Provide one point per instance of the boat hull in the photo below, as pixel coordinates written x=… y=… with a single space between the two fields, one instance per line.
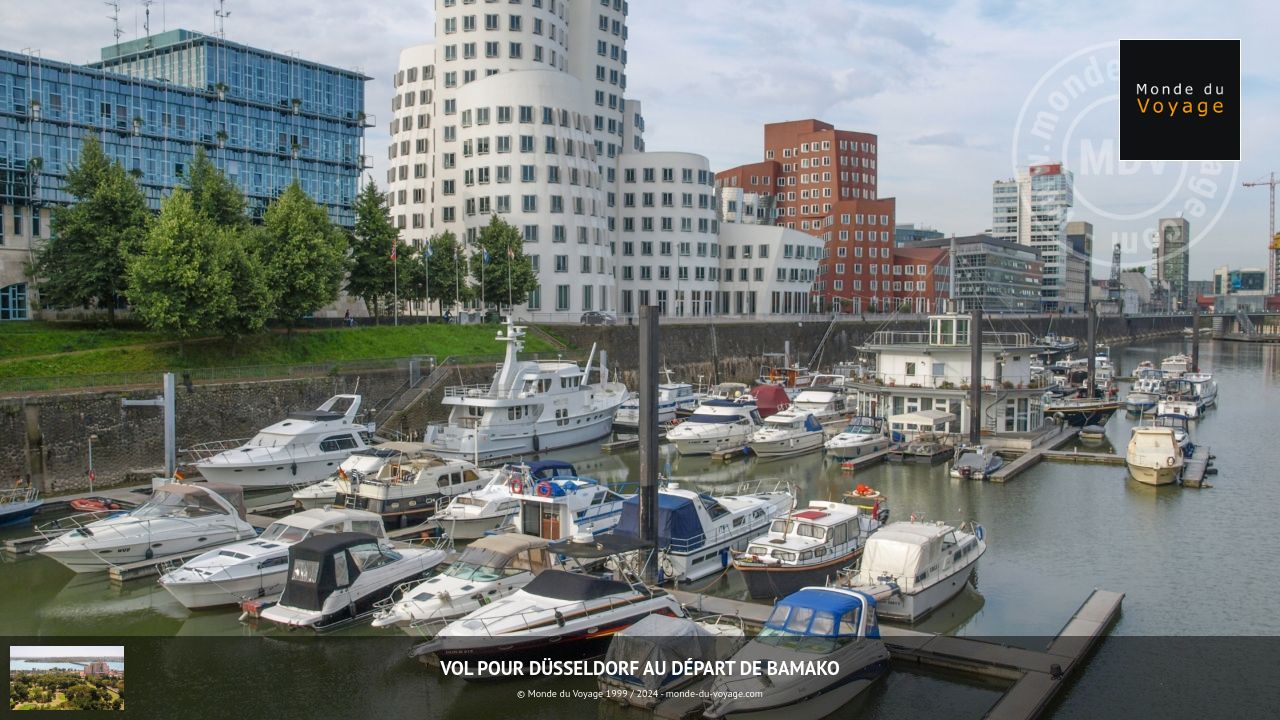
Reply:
x=910 y=608
x=708 y=444
x=196 y=595
x=85 y=559
x=848 y=452
x=19 y=512
x=277 y=473
x=787 y=446
x=470 y=528
x=1079 y=417
x=1155 y=475
x=548 y=438
x=815 y=702
x=767 y=582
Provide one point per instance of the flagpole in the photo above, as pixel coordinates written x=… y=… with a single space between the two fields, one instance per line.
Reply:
x=426 y=278
x=510 y=259
x=483 y=262
x=457 y=282
x=395 y=270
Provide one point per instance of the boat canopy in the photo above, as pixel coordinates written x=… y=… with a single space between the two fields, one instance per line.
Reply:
x=321 y=564
x=521 y=552
x=544 y=469
x=205 y=496
x=562 y=585
x=770 y=398
x=678 y=522
x=667 y=640
x=822 y=612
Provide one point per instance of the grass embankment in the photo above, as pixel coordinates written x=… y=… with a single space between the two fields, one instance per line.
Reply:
x=46 y=349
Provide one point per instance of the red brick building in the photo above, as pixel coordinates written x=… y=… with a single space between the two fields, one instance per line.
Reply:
x=823 y=181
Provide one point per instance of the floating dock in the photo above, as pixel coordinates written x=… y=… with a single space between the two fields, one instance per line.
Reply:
x=626 y=443
x=1035 y=676
x=1031 y=457
x=1197 y=467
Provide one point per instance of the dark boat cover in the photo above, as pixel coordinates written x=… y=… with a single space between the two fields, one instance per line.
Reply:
x=318 y=566
x=677 y=519
x=563 y=585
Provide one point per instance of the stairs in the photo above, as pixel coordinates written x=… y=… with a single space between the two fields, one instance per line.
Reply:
x=816 y=357
x=1245 y=323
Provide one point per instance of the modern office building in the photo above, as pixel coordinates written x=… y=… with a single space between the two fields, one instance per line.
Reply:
x=518 y=110
x=1172 y=260
x=264 y=118
x=992 y=274
x=1080 y=241
x=767 y=269
x=1032 y=209
x=907 y=234
x=823 y=181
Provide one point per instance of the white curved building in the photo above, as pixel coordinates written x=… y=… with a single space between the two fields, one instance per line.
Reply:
x=411 y=168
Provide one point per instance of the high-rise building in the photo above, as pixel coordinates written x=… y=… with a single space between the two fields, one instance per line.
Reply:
x=1080 y=243
x=822 y=181
x=1172 y=260
x=1032 y=209
x=905 y=234
x=992 y=274
x=264 y=118
x=519 y=111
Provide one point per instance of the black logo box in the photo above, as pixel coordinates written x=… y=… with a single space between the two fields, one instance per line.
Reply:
x=1205 y=73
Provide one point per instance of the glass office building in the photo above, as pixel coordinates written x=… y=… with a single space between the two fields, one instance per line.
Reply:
x=264 y=118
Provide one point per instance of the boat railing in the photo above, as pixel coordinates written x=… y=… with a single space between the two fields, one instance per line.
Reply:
x=205 y=450
x=478 y=390
x=530 y=620
x=81 y=521
x=19 y=495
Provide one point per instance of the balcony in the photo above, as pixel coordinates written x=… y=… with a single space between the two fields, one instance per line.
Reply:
x=920 y=338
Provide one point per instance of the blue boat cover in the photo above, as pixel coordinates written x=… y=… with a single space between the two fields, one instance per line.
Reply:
x=543 y=469
x=811 y=424
x=819 y=611
x=677 y=519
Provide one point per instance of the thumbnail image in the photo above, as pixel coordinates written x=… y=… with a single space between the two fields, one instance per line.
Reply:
x=66 y=677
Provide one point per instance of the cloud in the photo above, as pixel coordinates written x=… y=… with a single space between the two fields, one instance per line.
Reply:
x=943 y=139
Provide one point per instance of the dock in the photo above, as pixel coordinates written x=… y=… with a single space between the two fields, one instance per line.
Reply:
x=1031 y=457
x=857 y=463
x=626 y=443
x=731 y=453
x=1035 y=677
x=1196 y=467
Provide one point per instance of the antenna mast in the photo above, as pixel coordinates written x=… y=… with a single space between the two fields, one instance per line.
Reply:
x=114 y=17
x=222 y=14
x=146 y=20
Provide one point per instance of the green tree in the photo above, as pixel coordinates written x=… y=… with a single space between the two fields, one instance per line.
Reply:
x=304 y=255
x=504 y=247
x=84 y=262
x=179 y=282
x=447 y=269
x=371 y=275
x=252 y=301
x=213 y=194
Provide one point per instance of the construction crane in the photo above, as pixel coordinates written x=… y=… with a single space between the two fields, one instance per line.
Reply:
x=1273 y=247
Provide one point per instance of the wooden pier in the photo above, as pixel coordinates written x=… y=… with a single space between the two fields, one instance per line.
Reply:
x=875 y=458
x=626 y=443
x=1197 y=467
x=1031 y=457
x=1035 y=676
x=731 y=454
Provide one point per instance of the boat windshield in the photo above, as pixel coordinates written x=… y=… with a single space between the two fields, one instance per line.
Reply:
x=481 y=565
x=168 y=504
x=802 y=529
x=283 y=532
x=808 y=630
x=710 y=419
x=861 y=429
x=266 y=439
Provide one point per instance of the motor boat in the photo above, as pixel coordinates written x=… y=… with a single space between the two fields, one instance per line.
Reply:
x=1153 y=456
x=258 y=567
x=729 y=391
x=829 y=403
x=178 y=518
x=668 y=643
x=1093 y=434
x=1145 y=392
x=862 y=436
x=1181 y=399
x=472 y=514
x=912 y=568
x=1175 y=365
x=792 y=378
x=408 y=492
x=871 y=500
x=673 y=399
x=18 y=504
x=305 y=447
x=558 y=614
x=815 y=624
x=975 y=462
x=555 y=503
x=530 y=406
x=488 y=569
x=1078 y=412
x=697 y=532
x=362 y=463
x=790 y=432
x=805 y=547
x=716 y=425
x=1056 y=345
x=336 y=578
x=926 y=447
x=1203 y=387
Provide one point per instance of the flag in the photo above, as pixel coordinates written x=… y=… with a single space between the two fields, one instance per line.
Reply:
x=427 y=249
x=486 y=257
x=177 y=475
x=393 y=254
x=511 y=254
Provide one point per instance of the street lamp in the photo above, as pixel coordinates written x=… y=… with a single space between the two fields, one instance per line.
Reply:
x=92 y=437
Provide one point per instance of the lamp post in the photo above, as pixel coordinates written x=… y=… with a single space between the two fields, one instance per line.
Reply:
x=92 y=437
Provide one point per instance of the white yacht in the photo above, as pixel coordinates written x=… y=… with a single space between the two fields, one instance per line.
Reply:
x=790 y=432
x=1203 y=387
x=673 y=398
x=531 y=406
x=561 y=504
x=835 y=627
x=1175 y=365
x=1182 y=396
x=305 y=447
x=362 y=463
x=490 y=568
x=806 y=547
x=975 y=462
x=862 y=436
x=335 y=579
x=698 y=532
x=1153 y=456
x=828 y=403
x=1145 y=392
x=912 y=568
x=474 y=514
x=729 y=391
x=258 y=567
x=407 y=492
x=179 y=518
x=557 y=614
x=716 y=425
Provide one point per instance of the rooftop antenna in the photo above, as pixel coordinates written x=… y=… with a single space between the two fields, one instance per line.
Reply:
x=146 y=20
x=114 y=17
x=223 y=13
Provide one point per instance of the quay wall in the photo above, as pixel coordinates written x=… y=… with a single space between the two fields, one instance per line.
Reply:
x=44 y=437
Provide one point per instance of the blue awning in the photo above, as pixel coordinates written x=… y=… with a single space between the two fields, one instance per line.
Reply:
x=678 y=525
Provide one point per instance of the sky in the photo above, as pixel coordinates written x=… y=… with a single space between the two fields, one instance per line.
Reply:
x=35 y=651
x=950 y=87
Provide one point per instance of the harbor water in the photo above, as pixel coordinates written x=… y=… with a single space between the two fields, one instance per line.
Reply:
x=1054 y=534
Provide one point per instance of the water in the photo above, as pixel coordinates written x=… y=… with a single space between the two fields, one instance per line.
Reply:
x=1055 y=533
x=29 y=665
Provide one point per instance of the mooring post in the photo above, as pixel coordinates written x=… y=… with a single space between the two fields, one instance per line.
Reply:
x=975 y=370
x=1092 y=319
x=170 y=427
x=648 y=377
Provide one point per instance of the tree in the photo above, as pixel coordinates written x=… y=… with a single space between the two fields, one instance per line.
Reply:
x=371 y=274
x=179 y=282
x=504 y=246
x=252 y=301
x=304 y=255
x=213 y=194
x=447 y=270
x=84 y=262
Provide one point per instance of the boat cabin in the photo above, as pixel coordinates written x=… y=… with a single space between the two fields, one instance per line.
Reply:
x=324 y=564
x=829 y=617
x=915 y=555
x=909 y=426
